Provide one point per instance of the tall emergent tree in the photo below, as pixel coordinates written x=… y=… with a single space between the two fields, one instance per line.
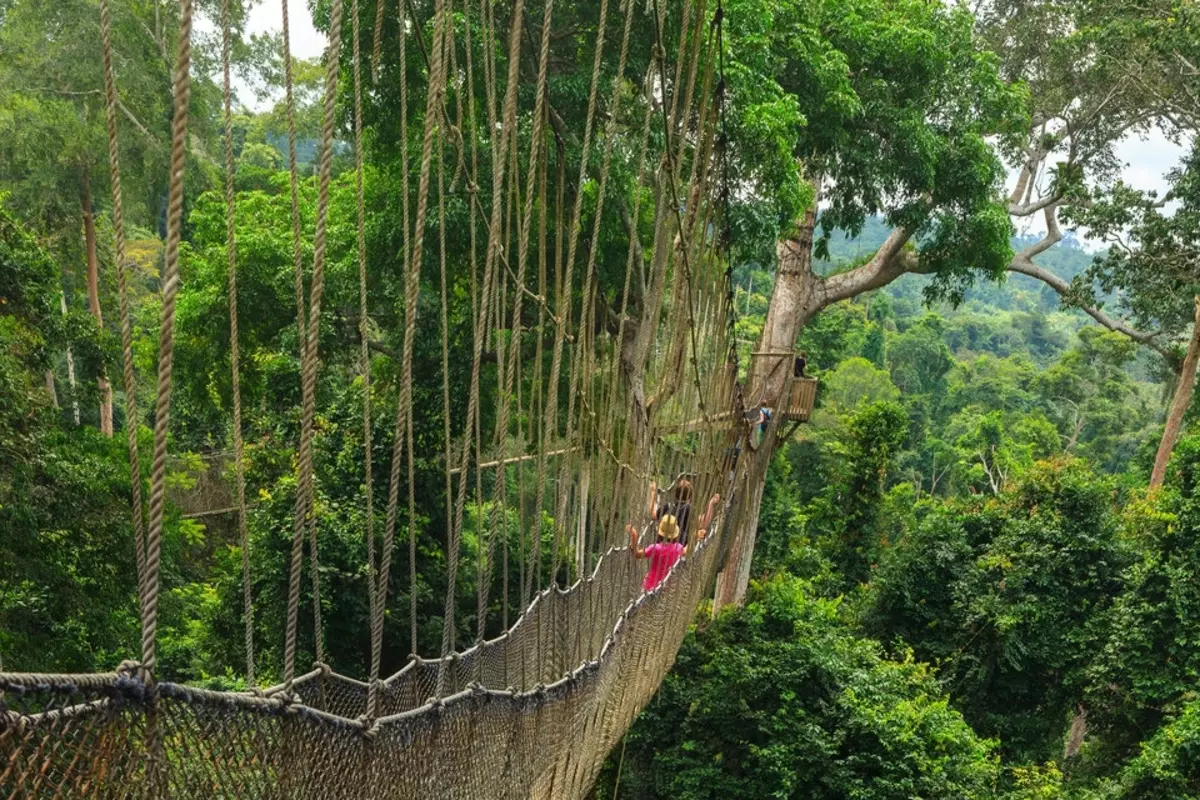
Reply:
x=898 y=109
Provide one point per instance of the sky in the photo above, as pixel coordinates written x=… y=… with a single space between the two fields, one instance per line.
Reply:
x=307 y=42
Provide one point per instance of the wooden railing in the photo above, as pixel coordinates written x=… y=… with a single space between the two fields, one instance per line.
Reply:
x=801 y=396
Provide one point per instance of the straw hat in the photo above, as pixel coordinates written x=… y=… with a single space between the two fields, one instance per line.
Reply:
x=668 y=528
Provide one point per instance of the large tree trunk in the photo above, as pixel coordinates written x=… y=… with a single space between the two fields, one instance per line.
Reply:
x=734 y=577
x=798 y=296
x=93 y=273
x=794 y=301
x=1179 y=406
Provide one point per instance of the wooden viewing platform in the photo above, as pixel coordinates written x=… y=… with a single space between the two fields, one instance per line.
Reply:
x=800 y=396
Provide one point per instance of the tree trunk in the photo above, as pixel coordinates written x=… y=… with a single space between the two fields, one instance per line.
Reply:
x=93 y=273
x=794 y=301
x=62 y=302
x=1179 y=406
x=734 y=577
x=50 y=387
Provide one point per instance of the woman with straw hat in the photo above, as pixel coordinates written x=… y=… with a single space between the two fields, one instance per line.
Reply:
x=667 y=550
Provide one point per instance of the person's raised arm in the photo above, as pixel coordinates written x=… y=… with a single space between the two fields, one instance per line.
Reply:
x=705 y=521
x=711 y=509
x=633 y=542
x=652 y=501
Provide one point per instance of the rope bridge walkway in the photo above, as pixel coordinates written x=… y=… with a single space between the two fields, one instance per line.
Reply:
x=590 y=403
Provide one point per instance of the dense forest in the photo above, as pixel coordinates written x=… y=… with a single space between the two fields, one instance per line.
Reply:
x=976 y=569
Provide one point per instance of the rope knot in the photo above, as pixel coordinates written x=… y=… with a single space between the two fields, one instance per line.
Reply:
x=129 y=668
x=326 y=670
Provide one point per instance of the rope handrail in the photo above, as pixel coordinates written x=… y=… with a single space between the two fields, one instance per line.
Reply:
x=277 y=697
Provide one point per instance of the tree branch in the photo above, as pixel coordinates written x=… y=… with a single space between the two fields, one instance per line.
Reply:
x=1025 y=266
x=1053 y=236
x=1029 y=209
x=888 y=263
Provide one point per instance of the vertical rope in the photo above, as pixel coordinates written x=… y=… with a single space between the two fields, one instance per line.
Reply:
x=452 y=540
x=118 y=213
x=495 y=234
x=234 y=362
x=363 y=334
x=537 y=403
x=455 y=533
x=180 y=94
x=301 y=312
x=536 y=145
x=389 y=531
x=435 y=96
x=304 y=515
x=377 y=42
x=293 y=181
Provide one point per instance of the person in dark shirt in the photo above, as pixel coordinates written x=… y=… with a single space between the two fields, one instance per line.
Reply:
x=801 y=365
x=679 y=506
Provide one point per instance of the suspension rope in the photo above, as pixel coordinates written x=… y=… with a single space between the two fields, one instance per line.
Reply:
x=118 y=214
x=304 y=513
x=389 y=530
x=234 y=364
x=495 y=233
x=377 y=42
x=293 y=181
x=363 y=336
x=181 y=94
x=435 y=95
x=471 y=437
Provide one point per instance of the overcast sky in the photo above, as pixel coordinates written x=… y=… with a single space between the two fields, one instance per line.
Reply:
x=307 y=42
x=1147 y=159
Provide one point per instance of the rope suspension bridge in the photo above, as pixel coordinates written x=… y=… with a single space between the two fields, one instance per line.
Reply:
x=585 y=413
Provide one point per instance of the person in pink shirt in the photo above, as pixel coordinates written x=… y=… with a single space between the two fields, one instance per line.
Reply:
x=667 y=550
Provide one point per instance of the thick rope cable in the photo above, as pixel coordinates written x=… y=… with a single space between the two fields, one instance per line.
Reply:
x=118 y=215
x=293 y=181
x=304 y=512
x=495 y=233
x=455 y=525
x=602 y=184
x=569 y=271
x=536 y=144
x=364 y=343
x=180 y=94
x=479 y=291
x=239 y=456
x=377 y=42
x=536 y=430
x=389 y=532
x=297 y=258
x=452 y=541
x=435 y=96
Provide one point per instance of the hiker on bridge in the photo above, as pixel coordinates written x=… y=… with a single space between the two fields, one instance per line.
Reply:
x=667 y=548
x=679 y=506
